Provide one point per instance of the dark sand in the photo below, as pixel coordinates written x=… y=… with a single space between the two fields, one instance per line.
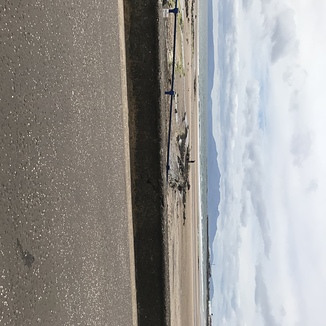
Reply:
x=65 y=235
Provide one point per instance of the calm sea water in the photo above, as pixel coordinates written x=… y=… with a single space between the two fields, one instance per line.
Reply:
x=202 y=159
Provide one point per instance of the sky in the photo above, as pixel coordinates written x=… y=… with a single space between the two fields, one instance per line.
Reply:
x=268 y=108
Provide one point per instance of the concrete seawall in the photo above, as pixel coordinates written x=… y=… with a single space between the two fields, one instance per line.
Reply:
x=66 y=242
x=142 y=48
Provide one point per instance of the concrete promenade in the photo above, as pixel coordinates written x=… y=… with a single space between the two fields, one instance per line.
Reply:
x=66 y=240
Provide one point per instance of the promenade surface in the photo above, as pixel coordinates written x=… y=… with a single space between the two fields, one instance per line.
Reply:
x=66 y=242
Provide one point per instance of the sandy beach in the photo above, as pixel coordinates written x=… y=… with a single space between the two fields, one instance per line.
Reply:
x=66 y=241
x=182 y=211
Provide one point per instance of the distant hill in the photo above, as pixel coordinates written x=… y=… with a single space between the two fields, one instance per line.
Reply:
x=212 y=165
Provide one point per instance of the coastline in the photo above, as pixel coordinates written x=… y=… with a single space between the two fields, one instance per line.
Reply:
x=67 y=234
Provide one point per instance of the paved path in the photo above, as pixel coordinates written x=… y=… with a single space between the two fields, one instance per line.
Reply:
x=66 y=253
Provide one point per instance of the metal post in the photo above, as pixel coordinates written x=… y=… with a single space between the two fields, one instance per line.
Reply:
x=171 y=92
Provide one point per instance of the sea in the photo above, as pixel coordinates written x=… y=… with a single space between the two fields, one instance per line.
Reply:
x=203 y=154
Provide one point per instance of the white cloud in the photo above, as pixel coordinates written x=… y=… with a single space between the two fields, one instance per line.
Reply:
x=262 y=299
x=269 y=122
x=284 y=40
x=301 y=146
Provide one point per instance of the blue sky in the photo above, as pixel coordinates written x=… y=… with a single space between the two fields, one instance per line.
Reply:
x=268 y=109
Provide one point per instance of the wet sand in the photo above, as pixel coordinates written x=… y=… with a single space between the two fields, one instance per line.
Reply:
x=66 y=245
